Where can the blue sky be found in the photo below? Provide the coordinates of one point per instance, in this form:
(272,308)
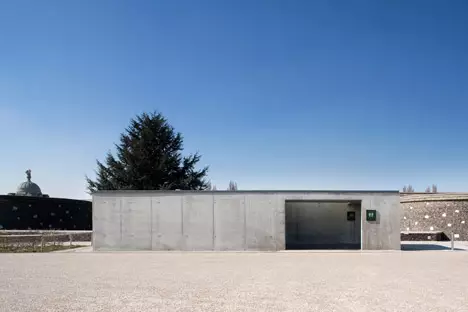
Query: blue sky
(274,94)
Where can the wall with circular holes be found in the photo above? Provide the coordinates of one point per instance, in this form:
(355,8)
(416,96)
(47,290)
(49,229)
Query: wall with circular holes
(435,212)
(42,213)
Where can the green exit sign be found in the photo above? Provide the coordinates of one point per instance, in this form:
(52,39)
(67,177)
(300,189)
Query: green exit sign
(371,215)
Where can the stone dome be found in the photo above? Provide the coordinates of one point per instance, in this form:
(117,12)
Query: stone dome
(28,188)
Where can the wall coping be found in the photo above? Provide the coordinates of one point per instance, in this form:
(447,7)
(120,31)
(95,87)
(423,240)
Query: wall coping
(425,197)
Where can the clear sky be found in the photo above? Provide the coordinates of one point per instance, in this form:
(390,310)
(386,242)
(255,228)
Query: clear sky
(274,94)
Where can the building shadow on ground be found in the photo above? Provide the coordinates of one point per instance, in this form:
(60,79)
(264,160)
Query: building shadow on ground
(290,246)
(426,247)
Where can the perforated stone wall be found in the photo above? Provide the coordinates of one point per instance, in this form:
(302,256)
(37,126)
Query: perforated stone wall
(41,213)
(437,212)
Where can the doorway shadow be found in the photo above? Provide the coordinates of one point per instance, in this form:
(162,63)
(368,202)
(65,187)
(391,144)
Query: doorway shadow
(323,246)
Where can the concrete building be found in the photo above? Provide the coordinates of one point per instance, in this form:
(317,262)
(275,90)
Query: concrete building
(246,220)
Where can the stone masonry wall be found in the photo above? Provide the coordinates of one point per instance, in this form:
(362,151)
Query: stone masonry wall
(436,212)
(43,213)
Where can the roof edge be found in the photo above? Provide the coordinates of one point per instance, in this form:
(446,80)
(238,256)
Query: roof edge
(115,192)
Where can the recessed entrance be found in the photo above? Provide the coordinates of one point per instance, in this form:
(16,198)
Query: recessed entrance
(323,224)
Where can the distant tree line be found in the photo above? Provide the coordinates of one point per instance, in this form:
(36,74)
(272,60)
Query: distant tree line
(430,189)
(231,187)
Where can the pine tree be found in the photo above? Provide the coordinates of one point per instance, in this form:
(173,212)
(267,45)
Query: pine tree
(149,157)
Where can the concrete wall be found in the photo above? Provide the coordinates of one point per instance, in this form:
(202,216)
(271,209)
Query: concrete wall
(249,220)
(321,224)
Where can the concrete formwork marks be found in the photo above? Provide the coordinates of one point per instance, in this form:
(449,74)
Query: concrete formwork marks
(222,221)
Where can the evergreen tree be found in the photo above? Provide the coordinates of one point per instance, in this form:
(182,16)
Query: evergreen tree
(149,157)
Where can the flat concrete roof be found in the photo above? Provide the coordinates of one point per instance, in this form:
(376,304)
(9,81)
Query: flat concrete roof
(141,192)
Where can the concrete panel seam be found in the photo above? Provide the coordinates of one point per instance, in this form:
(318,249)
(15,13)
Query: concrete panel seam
(275,215)
(363,230)
(120,203)
(151,222)
(182,221)
(245,222)
(213,222)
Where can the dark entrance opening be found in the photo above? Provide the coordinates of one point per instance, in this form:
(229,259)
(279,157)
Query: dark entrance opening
(323,224)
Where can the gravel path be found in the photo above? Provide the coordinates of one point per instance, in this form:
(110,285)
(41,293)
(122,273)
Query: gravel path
(284,281)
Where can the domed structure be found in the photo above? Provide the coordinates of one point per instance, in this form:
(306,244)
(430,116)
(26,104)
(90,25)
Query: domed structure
(28,188)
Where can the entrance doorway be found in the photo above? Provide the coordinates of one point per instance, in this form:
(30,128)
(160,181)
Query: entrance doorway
(323,224)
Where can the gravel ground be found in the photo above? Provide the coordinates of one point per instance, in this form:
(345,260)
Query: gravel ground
(283,281)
